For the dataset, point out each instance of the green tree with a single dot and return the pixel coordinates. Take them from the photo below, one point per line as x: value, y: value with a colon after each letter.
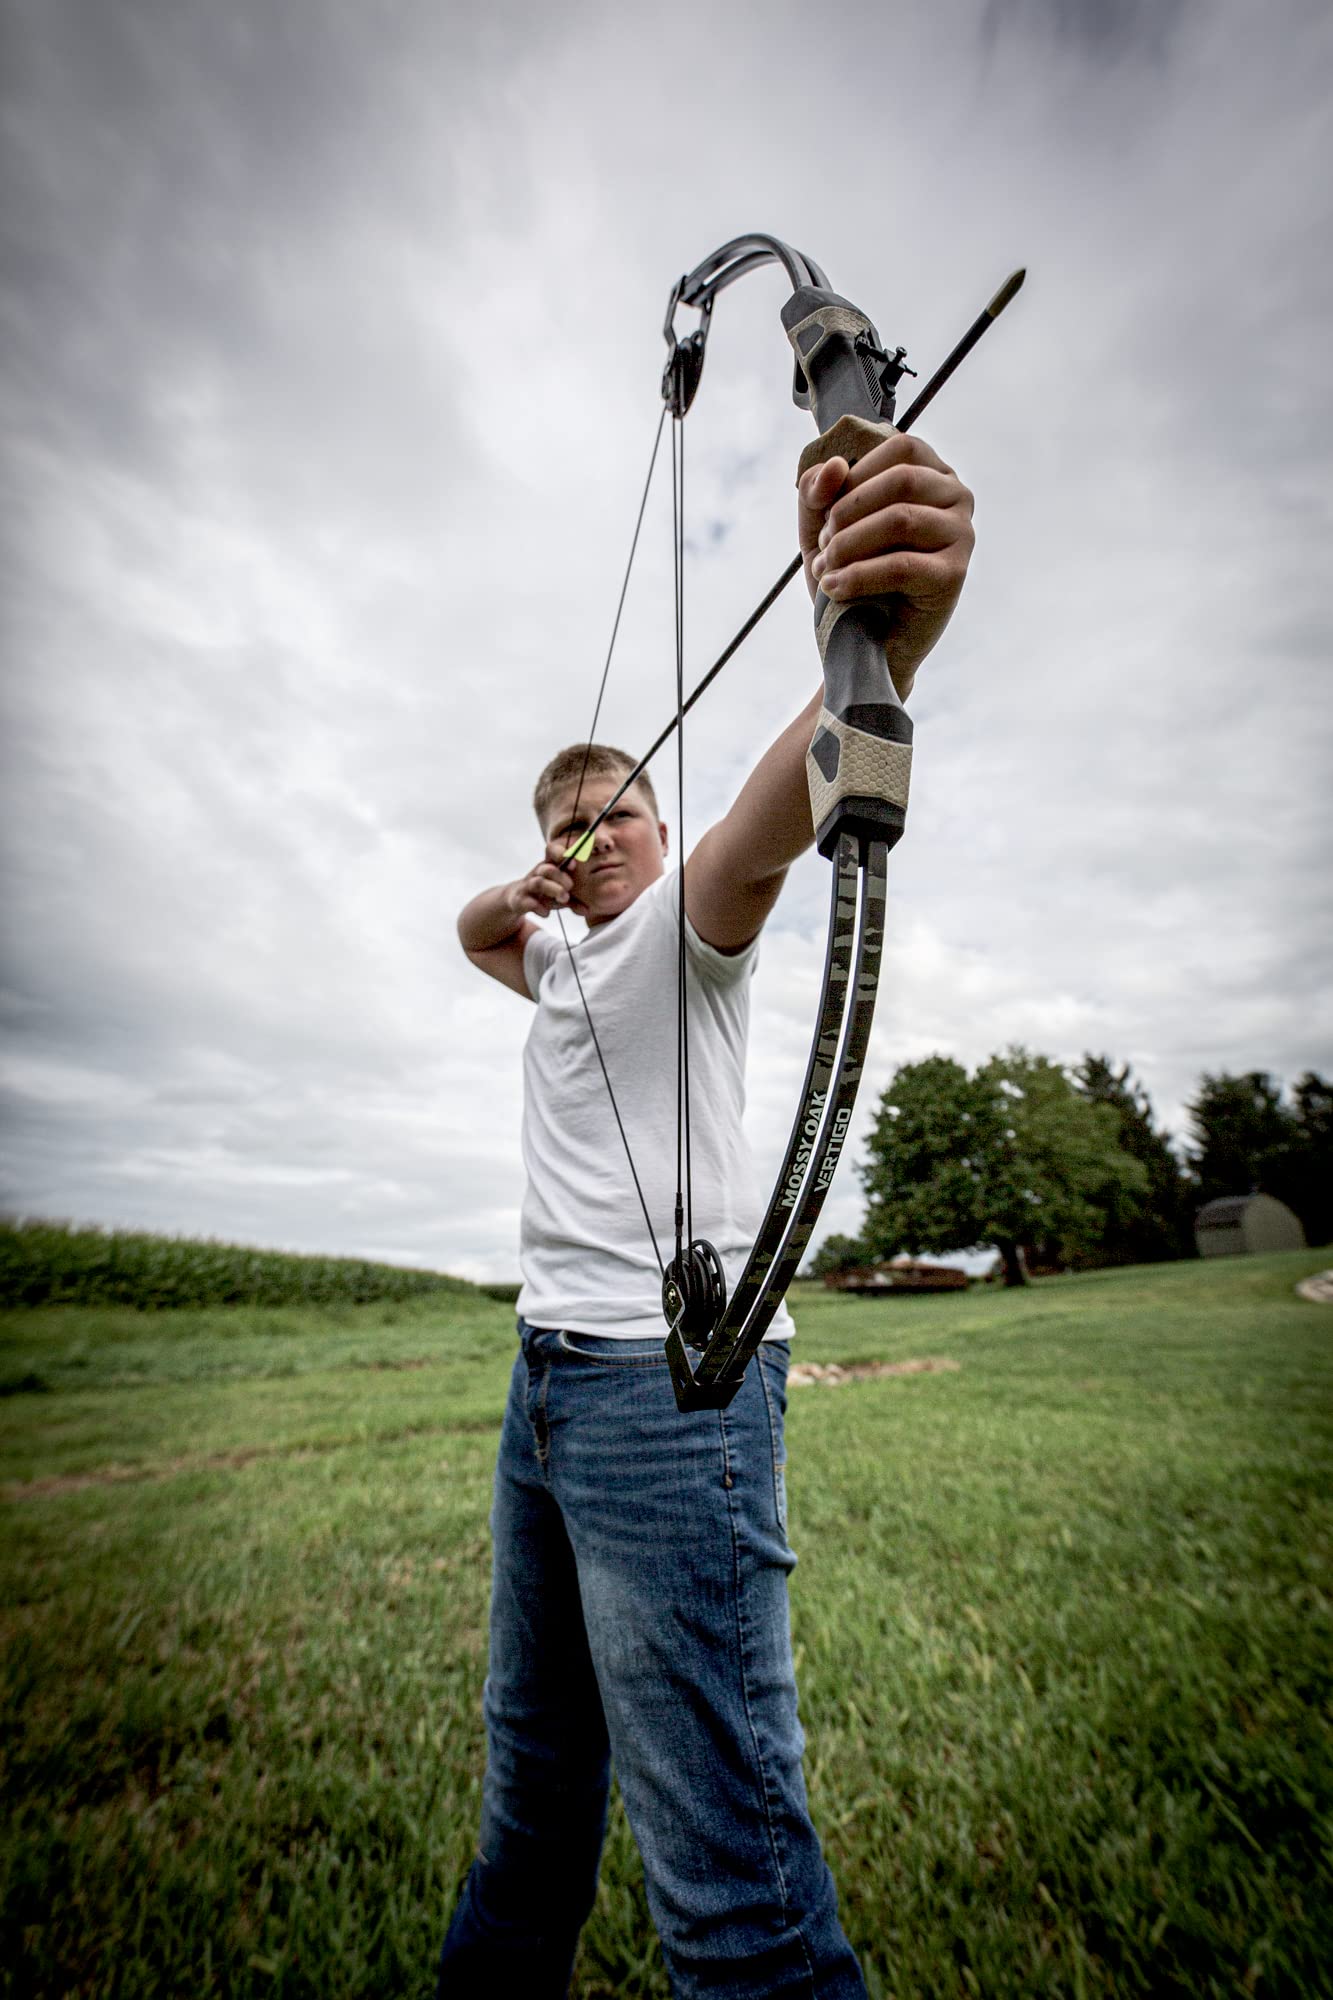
x: 1312, y: 1188
x: 1014, y: 1156
x: 839, y: 1253
x: 1150, y: 1224
x: 1241, y: 1135
x: 1246, y: 1139
x: 921, y: 1174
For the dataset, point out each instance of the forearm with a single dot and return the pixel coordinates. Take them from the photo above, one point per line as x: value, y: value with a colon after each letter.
x: 490, y: 919
x: 734, y: 875
x: 769, y: 825
x: 493, y: 930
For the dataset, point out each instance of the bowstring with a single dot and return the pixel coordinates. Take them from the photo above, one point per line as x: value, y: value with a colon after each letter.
x: 615, y: 627
x: 606, y: 1077
x: 684, y: 1207
x: 684, y: 1197
x: 578, y: 794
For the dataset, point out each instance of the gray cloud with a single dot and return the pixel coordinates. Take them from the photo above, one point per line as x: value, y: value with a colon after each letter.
x: 333, y: 341
x: 1098, y: 31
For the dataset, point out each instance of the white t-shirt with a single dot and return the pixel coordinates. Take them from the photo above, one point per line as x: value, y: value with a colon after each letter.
x: 585, y: 1253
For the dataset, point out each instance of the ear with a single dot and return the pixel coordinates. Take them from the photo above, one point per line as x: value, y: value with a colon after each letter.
x: 662, y: 836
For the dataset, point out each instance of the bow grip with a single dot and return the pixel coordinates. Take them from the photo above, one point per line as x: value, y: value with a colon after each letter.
x: 860, y: 759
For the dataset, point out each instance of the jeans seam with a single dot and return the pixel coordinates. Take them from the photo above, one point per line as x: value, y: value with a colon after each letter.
x: 742, y: 1640
x: 541, y: 1428
x: 778, y: 1509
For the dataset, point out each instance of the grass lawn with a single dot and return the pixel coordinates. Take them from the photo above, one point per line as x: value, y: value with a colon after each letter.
x: 1062, y: 1617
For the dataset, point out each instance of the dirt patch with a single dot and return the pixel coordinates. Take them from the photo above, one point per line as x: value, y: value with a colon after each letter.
x: 47, y: 1484
x: 1319, y: 1289
x: 830, y: 1373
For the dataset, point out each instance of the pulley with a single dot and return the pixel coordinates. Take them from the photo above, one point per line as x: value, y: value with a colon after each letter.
x: 685, y: 358
x: 694, y: 1292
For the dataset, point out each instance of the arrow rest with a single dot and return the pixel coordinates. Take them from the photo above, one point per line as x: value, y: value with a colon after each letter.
x: 694, y: 1292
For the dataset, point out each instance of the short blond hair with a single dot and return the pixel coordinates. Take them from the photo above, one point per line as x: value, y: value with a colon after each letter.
x: 585, y: 760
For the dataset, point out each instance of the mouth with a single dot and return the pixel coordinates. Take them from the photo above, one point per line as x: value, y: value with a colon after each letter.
x: 606, y: 867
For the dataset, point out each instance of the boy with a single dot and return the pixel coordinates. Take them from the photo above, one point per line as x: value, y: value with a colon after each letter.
x: 639, y: 1602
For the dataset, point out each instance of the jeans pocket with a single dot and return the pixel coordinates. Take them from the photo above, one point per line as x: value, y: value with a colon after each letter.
x: 608, y: 1352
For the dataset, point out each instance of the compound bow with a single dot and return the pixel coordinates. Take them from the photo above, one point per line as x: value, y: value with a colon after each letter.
x: 858, y: 768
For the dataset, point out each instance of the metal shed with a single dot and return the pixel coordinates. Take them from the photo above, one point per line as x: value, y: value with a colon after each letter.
x: 1240, y: 1224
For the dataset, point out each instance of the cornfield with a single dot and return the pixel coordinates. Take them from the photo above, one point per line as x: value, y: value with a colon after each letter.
x: 57, y: 1263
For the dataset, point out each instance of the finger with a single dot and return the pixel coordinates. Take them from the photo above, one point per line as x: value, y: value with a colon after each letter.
x: 923, y: 485
x: 818, y: 487
x: 926, y: 579
x: 905, y: 526
x: 548, y: 886
x: 898, y: 448
x: 817, y: 490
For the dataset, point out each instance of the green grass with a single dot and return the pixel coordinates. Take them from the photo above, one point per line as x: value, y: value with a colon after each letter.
x: 1062, y: 1617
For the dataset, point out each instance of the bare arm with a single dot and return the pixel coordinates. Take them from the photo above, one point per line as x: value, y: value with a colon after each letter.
x: 897, y: 523
x: 495, y: 926
x: 736, y: 872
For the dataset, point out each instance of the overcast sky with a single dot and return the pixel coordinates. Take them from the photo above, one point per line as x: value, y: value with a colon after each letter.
x: 333, y: 339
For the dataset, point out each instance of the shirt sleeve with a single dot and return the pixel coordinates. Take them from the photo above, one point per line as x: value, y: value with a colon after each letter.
x: 539, y: 954
x: 714, y: 967
x: 720, y: 968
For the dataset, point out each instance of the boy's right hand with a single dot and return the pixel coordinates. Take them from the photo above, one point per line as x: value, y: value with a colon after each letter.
x: 547, y: 888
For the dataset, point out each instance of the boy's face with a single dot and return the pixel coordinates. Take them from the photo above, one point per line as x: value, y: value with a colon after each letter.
x: 628, y: 847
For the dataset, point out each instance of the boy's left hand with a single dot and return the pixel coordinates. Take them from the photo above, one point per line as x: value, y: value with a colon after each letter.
x: 898, y: 525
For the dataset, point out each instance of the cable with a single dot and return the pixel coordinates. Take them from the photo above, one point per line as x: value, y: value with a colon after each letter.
x: 559, y: 917
x: 592, y: 733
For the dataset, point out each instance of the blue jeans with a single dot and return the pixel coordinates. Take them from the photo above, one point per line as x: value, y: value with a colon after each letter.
x: 639, y: 1613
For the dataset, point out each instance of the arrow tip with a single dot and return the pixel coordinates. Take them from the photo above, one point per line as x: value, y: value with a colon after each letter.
x: 1005, y: 293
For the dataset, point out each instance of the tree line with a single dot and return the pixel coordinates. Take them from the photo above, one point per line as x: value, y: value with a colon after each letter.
x: 1064, y: 1168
